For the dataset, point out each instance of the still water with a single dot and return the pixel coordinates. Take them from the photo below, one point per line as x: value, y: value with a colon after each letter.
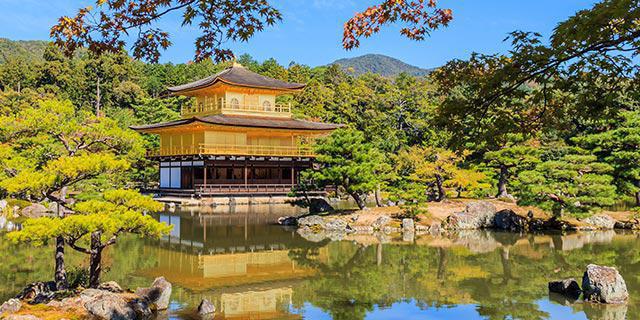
x: 253, y: 269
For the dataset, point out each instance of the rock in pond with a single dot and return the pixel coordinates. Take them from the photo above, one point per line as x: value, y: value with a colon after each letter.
x: 477, y: 215
x: 288, y: 221
x: 159, y: 293
x: 604, y: 285
x: 509, y: 220
x: 206, y: 308
x: 112, y: 306
x: 567, y: 287
x: 10, y: 306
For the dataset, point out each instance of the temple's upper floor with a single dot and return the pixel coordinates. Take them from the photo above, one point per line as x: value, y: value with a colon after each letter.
x: 237, y: 91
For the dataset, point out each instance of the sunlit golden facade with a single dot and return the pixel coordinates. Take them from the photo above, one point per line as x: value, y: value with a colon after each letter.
x: 237, y: 136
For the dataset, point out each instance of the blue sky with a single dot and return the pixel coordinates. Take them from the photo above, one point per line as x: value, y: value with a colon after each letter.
x: 311, y: 31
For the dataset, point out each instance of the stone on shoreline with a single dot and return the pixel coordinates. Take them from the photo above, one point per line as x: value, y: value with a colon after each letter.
x: 310, y: 221
x: 10, y: 306
x: 567, y: 287
x: 320, y: 205
x: 159, y: 293
x: 112, y: 306
x: 510, y: 221
x: 477, y: 215
x: 336, y: 225
x: 604, y: 285
x: 600, y: 221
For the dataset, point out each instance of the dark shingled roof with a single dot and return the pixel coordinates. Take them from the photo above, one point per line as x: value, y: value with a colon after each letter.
x: 243, y: 121
x: 238, y: 75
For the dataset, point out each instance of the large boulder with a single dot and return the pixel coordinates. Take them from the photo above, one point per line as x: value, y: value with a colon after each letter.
x: 319, y: 205
x: 477, y: 215
x: 604, y: 285
x: 35, y: 210
x: 159, y: 293
x: 600, y: 221
x: 112, y: 306
x: 10, y: 306
x: 567, y: 287
x: 310, y: 221
x: 508, y: 220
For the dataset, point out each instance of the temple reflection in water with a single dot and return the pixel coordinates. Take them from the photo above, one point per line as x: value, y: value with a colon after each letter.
x: 235, y: 258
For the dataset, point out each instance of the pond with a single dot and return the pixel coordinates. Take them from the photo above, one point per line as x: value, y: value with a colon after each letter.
x: 252, y: 269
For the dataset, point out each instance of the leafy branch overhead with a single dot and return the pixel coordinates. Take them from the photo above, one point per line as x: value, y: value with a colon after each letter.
x: 107, y: 27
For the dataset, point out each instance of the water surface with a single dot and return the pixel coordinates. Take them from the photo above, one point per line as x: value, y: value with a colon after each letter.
x: 253, y: 269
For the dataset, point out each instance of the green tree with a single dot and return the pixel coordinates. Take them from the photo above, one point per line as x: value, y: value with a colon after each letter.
x: 98, y: 223
x: 509, y: 161
x: 619, y: 147
x: 574, y: 181
x: 435, y: 167
x: 348, y: 161
x: 50, y: 149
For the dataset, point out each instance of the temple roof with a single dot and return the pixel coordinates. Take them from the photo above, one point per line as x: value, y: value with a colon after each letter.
x: 244, y: 121
x: 239, y: 76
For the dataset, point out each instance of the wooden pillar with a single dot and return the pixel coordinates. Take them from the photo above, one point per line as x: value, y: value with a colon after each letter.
x: 245, y: 173
x: 293, y: 172
x: 193, y: 177
x: 204, y: 183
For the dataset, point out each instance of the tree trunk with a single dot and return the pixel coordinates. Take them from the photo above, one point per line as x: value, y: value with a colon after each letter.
x: 60, y: 275
x: 638, y: 199
x: 502, y: 183
x: 441, y: 193
x: 95, y: 260
x: 378, y: 197
x: 359, y: 201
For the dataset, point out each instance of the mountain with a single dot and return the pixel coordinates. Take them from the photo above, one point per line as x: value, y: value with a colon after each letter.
x: 380, y: 64
x: 31, y: 50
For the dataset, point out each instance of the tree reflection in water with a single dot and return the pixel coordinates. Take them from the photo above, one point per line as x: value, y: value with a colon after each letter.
x: 251, y: 268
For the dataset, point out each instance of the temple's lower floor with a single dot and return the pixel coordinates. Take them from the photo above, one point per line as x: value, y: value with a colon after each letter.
x: 231, y: 175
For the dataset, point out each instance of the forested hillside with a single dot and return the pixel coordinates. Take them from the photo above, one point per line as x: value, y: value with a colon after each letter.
x: 380, y: 64
x: 30, y: 50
